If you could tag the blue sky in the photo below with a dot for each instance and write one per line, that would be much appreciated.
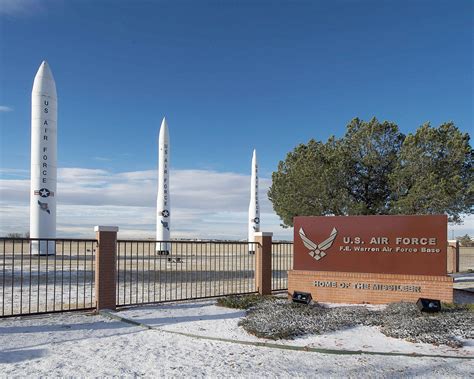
(229, 76)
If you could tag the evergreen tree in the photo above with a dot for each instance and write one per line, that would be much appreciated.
(434, 173)
(309, 182)
(370, 151)
(374, 169)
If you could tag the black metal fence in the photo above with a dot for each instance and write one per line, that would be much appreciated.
(57, 277)
(190, 270)
(466, 258)
(282, 261)
(60, 276)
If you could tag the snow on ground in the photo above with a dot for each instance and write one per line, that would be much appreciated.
(204, 318)
(79, 344)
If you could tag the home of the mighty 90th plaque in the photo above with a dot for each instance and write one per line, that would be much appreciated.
(371, 259)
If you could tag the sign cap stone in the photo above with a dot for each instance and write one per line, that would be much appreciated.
(263, 234)
(102, 228)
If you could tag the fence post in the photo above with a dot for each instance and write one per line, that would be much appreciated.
(263, 262)
(453, 257)
(451, 253)
(105, 286)
(456, 259)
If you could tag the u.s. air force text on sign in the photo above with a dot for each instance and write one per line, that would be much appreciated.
(378, 244)
(371, 259)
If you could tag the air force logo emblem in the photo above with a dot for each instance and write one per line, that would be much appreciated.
(315, 250)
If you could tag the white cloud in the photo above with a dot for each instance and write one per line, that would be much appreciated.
(205, 204)
(14, 173)
(20, 7)
(4, 108)
(102, 159)
(467, 227)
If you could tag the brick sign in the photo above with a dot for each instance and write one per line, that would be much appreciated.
(410, 245)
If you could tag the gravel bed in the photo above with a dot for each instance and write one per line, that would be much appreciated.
(282, 319)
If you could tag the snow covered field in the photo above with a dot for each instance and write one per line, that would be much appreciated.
(81, 344)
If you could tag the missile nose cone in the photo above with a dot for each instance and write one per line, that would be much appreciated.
(44, 80)
(45, 71)
(164, 124)
(164, 134)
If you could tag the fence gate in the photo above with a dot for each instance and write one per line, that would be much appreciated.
(190, 270)
(282, 261)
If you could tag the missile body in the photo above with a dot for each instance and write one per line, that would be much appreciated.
(163, 208)
(43, 161)
(254, 207)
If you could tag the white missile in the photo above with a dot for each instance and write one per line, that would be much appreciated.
(44, 111)
(254, 207)
(163, 208)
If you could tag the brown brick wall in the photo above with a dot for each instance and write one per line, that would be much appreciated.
(105, 270)
(434, 287)
(453, 257)
(263, 263)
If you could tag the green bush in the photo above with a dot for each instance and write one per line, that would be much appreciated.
(457, 307)
(242, 301)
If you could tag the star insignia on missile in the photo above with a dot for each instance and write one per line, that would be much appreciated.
(256, 220)
(317, 251)
(165, 213)
(44, 192)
